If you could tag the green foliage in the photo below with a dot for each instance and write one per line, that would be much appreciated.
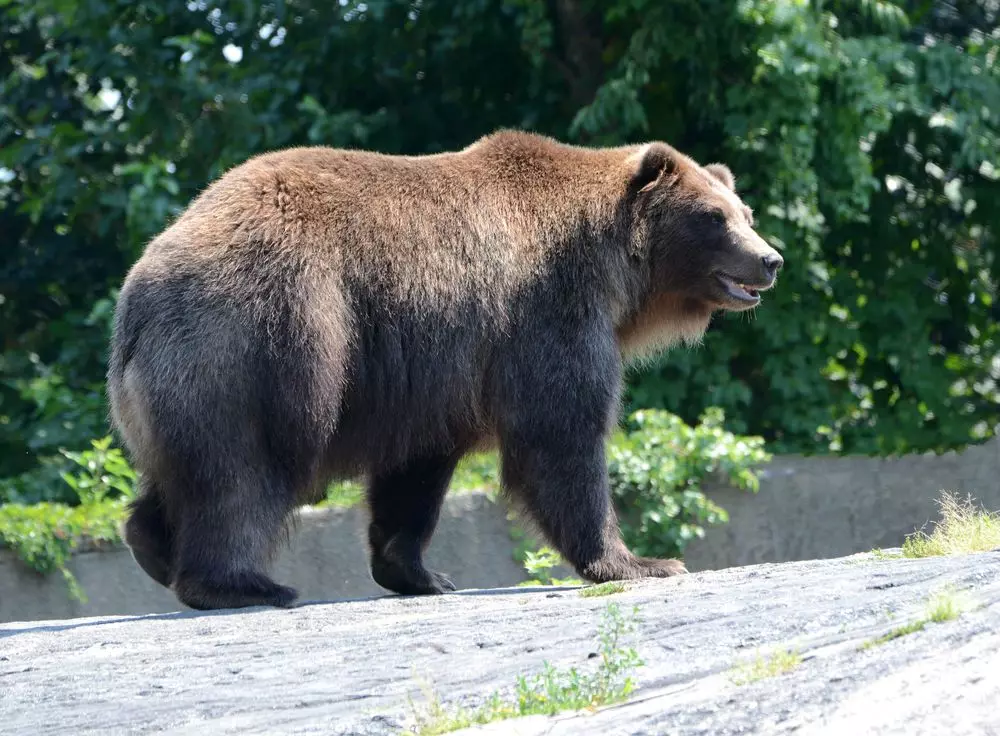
(540, 564)
(43, 535)
(343, 495)
(599, 591)
(478, 471)
(864, 133)
(553, 690)
(869, 159)
(946, 605)
(657, 468)
(105, 473)
(47, 405)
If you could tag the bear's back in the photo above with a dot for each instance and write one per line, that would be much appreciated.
(434, 231)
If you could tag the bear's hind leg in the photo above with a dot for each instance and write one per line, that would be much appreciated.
(224, 543)
(148, 534)
(405, 505)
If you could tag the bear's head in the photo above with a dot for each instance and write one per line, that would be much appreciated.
(697, 233)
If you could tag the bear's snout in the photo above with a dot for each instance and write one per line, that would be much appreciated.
(755, 269)
(772, 263)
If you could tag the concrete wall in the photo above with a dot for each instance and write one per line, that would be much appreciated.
(807, 508)
(326, 559)
(822, 507)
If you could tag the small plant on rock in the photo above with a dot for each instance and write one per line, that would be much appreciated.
(944, 606)
(761, 667)
(596, 591)
(553, 690)
(963, 529)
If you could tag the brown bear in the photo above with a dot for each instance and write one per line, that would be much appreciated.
(318, 314)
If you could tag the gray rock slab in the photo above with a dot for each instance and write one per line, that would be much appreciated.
(351, 667)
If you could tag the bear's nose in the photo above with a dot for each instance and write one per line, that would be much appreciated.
(772, 262)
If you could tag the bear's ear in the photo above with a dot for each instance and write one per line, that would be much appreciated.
(656, 164)
(723, 174)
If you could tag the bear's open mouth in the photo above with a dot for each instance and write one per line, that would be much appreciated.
(738, 290)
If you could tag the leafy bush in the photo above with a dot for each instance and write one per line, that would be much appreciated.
(539, 563)
(106, 473)
(44, 535)
(657, 468)
(52, 401)
(478, 471)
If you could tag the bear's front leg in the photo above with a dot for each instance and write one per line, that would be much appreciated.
(558, 409)
(562, 484)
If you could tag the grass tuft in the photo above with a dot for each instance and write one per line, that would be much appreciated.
(761, 667)
(596, 591)
(551, 691)
(963, 529)
(896, 633)
(944, 606)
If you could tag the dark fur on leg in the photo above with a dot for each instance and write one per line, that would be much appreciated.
(148, 534)
(232, 590)
(553, 454)
(224, 547)
(405, 505)
(215, 425)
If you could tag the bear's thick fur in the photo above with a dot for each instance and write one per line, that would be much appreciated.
(318, 314)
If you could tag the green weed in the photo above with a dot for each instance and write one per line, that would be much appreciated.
(761, 667)
(596, 591)
(944, 606)
(551, 691)
(963, 529)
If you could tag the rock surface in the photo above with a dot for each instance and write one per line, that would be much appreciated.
(351, 667)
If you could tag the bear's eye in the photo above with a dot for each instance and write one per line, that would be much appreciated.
(718, 217)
